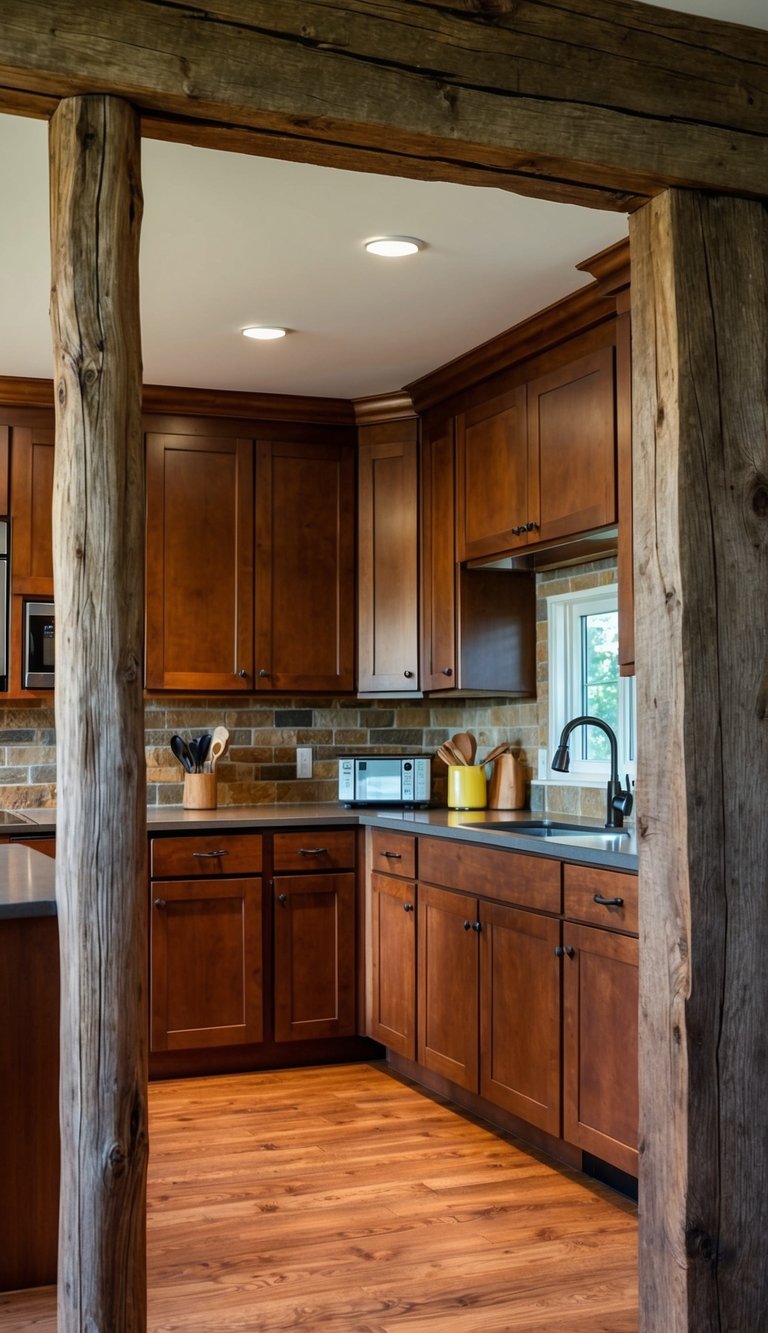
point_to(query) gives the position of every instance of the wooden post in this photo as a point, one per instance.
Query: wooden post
(700, 349)
(101, 887)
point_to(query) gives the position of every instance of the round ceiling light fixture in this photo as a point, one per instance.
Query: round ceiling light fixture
(394, 247)
(264, 332)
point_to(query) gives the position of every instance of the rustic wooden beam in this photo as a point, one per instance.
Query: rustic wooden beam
(101, 886)
(700, 349)
(598, 100)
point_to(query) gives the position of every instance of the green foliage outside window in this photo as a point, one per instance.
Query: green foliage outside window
(600, 680)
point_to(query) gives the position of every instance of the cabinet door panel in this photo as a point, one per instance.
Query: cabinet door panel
(393, 964)
(600, 1084)
(572, 439)
(32, 457)
(314, 956)
(448, 977)
(304, 566)
(520, 1014)
(438, 580)
(199, 563)
(388, 566)
(206, 961)
(492, 446)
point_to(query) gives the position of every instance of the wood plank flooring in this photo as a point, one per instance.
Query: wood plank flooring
(341, 1199)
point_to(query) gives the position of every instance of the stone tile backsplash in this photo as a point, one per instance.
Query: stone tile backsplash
(260, 766)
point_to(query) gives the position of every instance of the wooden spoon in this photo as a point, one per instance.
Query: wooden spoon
(219, 744)
(450, 754)
(466, 744)
(496, 751)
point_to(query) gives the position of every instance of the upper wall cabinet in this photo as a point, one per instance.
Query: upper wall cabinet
(572, 448)
(305, 576)
(388, 565)
(199, 563)
(537, 463)
(32, 452)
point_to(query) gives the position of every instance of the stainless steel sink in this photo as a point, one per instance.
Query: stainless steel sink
(592, 835)
(14, 817)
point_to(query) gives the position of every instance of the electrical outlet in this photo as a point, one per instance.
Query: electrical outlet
(303, 761)
(542, 773)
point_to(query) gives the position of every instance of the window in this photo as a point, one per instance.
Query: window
(584, 679)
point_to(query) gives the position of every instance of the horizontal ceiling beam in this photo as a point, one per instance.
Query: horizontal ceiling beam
(603, 102)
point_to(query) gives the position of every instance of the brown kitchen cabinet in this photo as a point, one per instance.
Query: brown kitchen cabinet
(393, 908)
(572, 448)
(305, 575)
(314, 926)
(27, 440)
(205, 942)
(448, 971)
(199, 590)
(600, 1024)
(478, 625)
(388, 558)
(537, 463)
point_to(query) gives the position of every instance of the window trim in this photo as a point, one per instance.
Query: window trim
(564, 667)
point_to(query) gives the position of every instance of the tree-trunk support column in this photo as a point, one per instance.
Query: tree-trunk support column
(700, 388)
(96, 210)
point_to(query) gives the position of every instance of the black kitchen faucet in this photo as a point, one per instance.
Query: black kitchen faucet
(619, 802)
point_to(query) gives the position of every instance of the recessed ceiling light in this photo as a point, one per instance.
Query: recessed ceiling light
(394, 247)
(264, 333)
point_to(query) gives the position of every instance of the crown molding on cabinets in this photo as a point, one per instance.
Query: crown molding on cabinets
(382, 407)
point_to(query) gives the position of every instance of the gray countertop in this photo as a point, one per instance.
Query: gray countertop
(27, 877)
(27, 882)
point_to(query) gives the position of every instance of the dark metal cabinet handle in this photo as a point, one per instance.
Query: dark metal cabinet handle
(393, 856)
(559, 951)
(408, 674)
(159, 902)
(467, 925)
(607, 902)
(447, 671)
(531, 527)
(242, 673)
(263, 674)
(282, 898)
(203, 855)
(313, 851)
(477, 927)
(570, 951)
(407, 907)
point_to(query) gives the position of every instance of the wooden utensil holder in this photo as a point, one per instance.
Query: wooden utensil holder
(199, 791)
(506, 790)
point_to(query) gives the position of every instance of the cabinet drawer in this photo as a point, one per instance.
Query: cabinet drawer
(509, 877)
(315, 849)
(583, 885)
(393, 853)
(206, 854)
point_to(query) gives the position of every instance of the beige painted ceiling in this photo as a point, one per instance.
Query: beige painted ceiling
(230, 240)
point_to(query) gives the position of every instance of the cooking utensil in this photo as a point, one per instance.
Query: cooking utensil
(219, 743)
(466, 744)
(202, 747)
(450, 753)
(497, 751)
(181, 751)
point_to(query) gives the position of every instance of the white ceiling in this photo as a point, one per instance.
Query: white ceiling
(230, 240)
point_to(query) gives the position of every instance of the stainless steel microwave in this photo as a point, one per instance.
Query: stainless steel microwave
(39, 651)
(384, 780)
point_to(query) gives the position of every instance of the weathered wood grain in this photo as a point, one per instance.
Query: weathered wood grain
(563, 98)
(700, 348)
(101, 831)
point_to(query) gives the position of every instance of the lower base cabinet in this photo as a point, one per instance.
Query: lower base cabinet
(600, 1084)
(535, 1013)
(314, 956)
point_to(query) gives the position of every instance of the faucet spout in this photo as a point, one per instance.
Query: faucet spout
(618, 800)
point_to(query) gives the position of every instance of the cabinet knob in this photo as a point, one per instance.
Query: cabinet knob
(447, 671)
(282, 898)
(559, 951)
(530, 527)
(467, 925)
(477, 927)
(408, 674)
(242, 673)
(159, 902)
(263, 674)
(407, 907)
(570, 951)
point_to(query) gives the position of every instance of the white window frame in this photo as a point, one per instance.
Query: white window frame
(564, 611)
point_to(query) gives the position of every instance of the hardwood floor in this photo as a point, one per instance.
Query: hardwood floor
(344, 1200)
